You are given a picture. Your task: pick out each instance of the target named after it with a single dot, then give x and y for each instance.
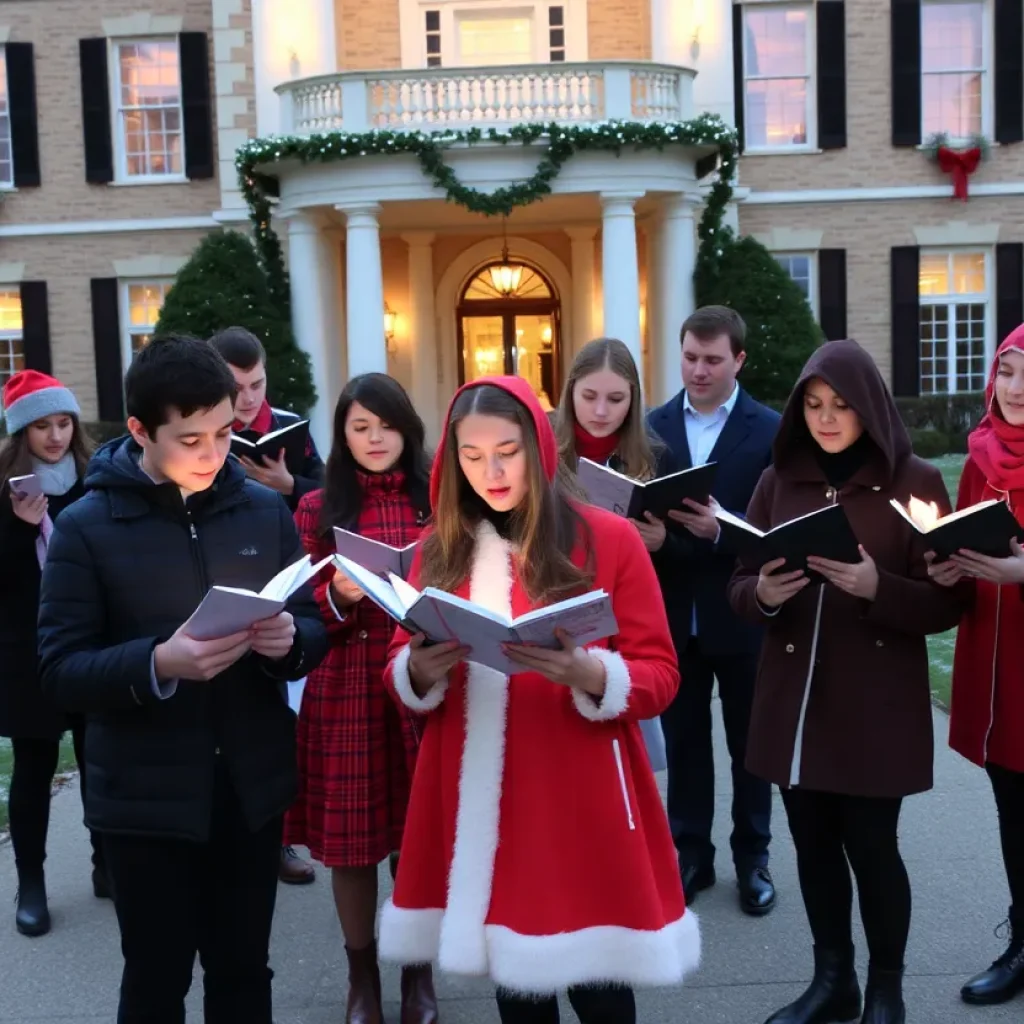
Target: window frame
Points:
(811, 74)
(812, 274)
(127, 331)
(121, 175)
(987, 70)
(7, 184)
(952, 299)
(6, 337)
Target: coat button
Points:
(790, 648)
(362, 634)
(830, 494)
(879, 643)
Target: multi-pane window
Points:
(954, 295)
(12, 352)
(142, 302)
(800, 267)
(952, 67)
(6, 157)
(494, 39)
(432, 21)
(778, 61)
(556, 34)
(147, 84)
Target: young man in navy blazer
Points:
(714, 420)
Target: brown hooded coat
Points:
(843, 702)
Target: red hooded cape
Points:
(536, 848)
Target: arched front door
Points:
(510, 325)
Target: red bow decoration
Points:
(961, 163)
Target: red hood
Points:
(1014, 340)
(519, 389)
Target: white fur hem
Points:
(616, 688)
(409, 936)
(403, 685)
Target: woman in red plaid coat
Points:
(357, 747)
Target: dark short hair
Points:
(239, 347)
(175, 371)
(710, 322)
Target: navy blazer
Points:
(693, 570)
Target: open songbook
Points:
(826, 532)
(441, 616)
(374, 554)
(227, 610)
(608, 489)
(986, 528)
(293, 439)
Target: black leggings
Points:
(594, 1004)
(832, 833)
(1008, 787)
(35, 764)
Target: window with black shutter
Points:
(35, 326)
(1009, 70)
(905, 320)
(195, 104)
(1009, 288)
(106, 336)
(96, 125)
(905, 18)
(831, 67)
(21, 109)
(556, 34)
(738, 81)
(432, 26)
(832, 293)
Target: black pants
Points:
(1008, 787)
(833, 833)
(691, 760)
(599, 1004)
(35, 764)
(175, 898)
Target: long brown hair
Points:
(545, 528)
(636, 450)
(16, 457)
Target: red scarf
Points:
(261, 423)
(597, 449)
(996, 446)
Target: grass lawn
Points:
(66, 762)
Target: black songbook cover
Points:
(986, 528)
(294, 439)
(608, 489)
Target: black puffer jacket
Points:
(127, 566)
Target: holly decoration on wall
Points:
(556, 144)
(960, 162)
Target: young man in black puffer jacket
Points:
(189, 744)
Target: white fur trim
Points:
(409, 936)
(463, 944)
(616, 688)
(403, 685)
(543, 964)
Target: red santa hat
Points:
(30, 395)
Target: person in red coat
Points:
(537, 850)
(986, 723)
(357, 747)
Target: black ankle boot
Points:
(1005, 978)
(883, 997)
(833, 997)
(33, 916)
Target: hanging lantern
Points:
(506, 276)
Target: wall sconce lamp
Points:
(389, 326)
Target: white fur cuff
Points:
(616, 688)
(403, 685)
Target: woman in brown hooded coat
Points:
(841, 719)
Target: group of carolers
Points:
(534, 847)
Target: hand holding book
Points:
(775, 588)
(985, 567)
(569, 666)
(859, 579)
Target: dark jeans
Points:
(691, 761)
(833, 833)
(1008, 788)
(175, 898)
(594, 1004)
(35, 763)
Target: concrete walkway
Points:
(751, 967)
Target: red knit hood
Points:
(520, 390)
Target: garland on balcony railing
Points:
(562, 143)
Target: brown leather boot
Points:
(293, 870)
(363, 986)
(419, 1004)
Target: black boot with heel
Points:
(833, 997)
(33, 915)
(883, 997)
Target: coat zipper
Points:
(617, 751)
(796, 763)
(197, 560)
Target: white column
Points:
(364, 287)
(670, 22)
(620, 271)
(333, 286)
(310, 315)
(582, 239)
(675, 260)
(423, 330)
(652, 300)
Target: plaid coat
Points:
(356, 746)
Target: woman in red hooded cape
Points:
(986, 723)
(537, 850)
